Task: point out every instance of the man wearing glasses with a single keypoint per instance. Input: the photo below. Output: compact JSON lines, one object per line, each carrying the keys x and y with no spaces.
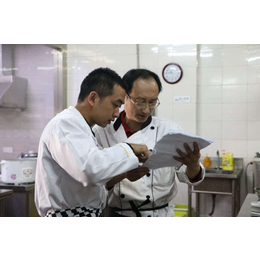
{"x":142,"y":193}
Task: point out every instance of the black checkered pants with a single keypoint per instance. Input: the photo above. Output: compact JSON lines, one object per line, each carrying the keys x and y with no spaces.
{"x":75,"y":212}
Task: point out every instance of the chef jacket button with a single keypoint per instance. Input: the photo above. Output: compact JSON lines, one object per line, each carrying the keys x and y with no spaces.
{"x":152,"y":127}
{"x":122,"y":196}
{"x":149,"y":216}
{"x":148,"y":174}
{"x":148,"y":197}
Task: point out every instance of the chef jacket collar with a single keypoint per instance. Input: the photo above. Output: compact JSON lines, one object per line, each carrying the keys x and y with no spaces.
{"x":118,"y":122}
{"x":90,"y":127}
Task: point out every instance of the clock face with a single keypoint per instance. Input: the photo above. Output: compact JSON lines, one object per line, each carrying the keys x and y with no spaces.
{"x":172,"y":73}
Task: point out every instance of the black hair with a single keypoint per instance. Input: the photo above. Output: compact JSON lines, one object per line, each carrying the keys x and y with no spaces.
{"x":101,"y":80}
{"x":132,"y":75}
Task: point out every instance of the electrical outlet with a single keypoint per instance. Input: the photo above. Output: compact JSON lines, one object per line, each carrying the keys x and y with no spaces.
{"x":8,"y":149}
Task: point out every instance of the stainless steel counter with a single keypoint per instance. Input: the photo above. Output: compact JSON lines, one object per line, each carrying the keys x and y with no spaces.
{"x":245,"y":210}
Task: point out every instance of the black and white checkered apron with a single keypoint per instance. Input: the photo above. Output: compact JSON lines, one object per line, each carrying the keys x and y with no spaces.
{"x":75,"y":212}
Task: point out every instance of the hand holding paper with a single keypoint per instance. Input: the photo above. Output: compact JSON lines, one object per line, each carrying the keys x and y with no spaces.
{"x":165,"y":149}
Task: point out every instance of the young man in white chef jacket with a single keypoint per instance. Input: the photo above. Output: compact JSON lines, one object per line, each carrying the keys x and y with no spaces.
{"x":145,"y":194}
{"x":71,"y":169}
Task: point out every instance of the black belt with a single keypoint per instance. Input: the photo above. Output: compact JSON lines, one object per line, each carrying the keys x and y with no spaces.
{"x":136,"y":209}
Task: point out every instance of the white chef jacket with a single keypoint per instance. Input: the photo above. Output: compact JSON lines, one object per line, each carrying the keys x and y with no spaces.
{"x":71,"y":170}
{"x":159,"y":186}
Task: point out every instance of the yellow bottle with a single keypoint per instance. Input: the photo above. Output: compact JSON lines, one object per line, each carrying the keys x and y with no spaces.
{"x":227,"y":161}
{"x":207,"y":162}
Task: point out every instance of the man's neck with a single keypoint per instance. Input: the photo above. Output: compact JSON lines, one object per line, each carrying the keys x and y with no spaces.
{"x":83,"y":112}
{"x":133,"y":125}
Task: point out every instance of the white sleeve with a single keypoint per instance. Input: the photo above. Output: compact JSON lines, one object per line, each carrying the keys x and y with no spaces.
{"x":76,"y":152}
{"x":183,"y":177}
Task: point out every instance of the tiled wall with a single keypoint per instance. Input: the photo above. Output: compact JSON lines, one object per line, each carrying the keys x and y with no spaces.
{"x":21,"y":130}
{"x":229,"y":106}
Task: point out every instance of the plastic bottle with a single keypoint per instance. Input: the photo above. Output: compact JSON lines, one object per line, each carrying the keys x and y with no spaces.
{"x":227,"y":161}
{"x":207,"y":162}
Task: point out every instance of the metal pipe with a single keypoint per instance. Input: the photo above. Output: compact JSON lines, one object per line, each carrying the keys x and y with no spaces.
{"x":212,"y":192}
{"x":213,"y":204}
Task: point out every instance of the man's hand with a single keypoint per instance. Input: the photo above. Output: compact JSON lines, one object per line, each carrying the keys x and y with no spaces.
{"x":141,"y":151}
{"x":191,"y":159}
{"x":137,"y":173}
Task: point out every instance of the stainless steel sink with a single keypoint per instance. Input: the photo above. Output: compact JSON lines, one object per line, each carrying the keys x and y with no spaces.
{"x":218,"y":171}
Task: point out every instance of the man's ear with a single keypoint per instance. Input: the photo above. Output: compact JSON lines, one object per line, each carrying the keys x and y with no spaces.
{"x":93,"y":98}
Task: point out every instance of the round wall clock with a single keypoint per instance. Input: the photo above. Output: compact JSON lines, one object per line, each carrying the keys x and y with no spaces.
{"x":172,"y":73}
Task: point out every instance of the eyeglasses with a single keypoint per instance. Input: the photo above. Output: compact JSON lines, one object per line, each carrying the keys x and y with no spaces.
{"x":141,"y":105}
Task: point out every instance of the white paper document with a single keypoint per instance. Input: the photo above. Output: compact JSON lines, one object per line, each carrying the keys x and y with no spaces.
{"x":165,"y":149}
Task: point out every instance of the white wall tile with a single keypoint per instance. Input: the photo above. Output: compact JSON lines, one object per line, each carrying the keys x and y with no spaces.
{"x":148,"y":48}
{"x":234,"y":93}
{"x":211,"y":130}
{"x":253,"y":130}
{"x":209,"y":76}
{"x":111,"y":62}
{"x":210,"y":58}
{"x":225,"y":46}
{"x":253,"y":112}
{"x":235,"y":57}
{"x":149,"y":61}
{"x":165,"y":47}
{"x":107,"y":49}
{"x":210,"y":46}
{"x":126,"y":49}
{"x":86,"y":50}
{"x":209,"y":112}
{"x":185,"y":57}
{"x":234,"y":130}
{"x":125,"y":62}
{"x":72,"y":81}
{"x":72,"y":65}
{"x":164,"y":58}
{"x":253,"y":57}
{"x":253,"y":74}
{"x":234,"y":75}
{"x":188,"y":127}
{"x":184,"y":112}
{"x":209,"y":94}
{"x":253,"y":92}
{"x":72,"y":97}
{"x":234,"y":112}
{"x":87,"y":64}
{"x":178,"y":47}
